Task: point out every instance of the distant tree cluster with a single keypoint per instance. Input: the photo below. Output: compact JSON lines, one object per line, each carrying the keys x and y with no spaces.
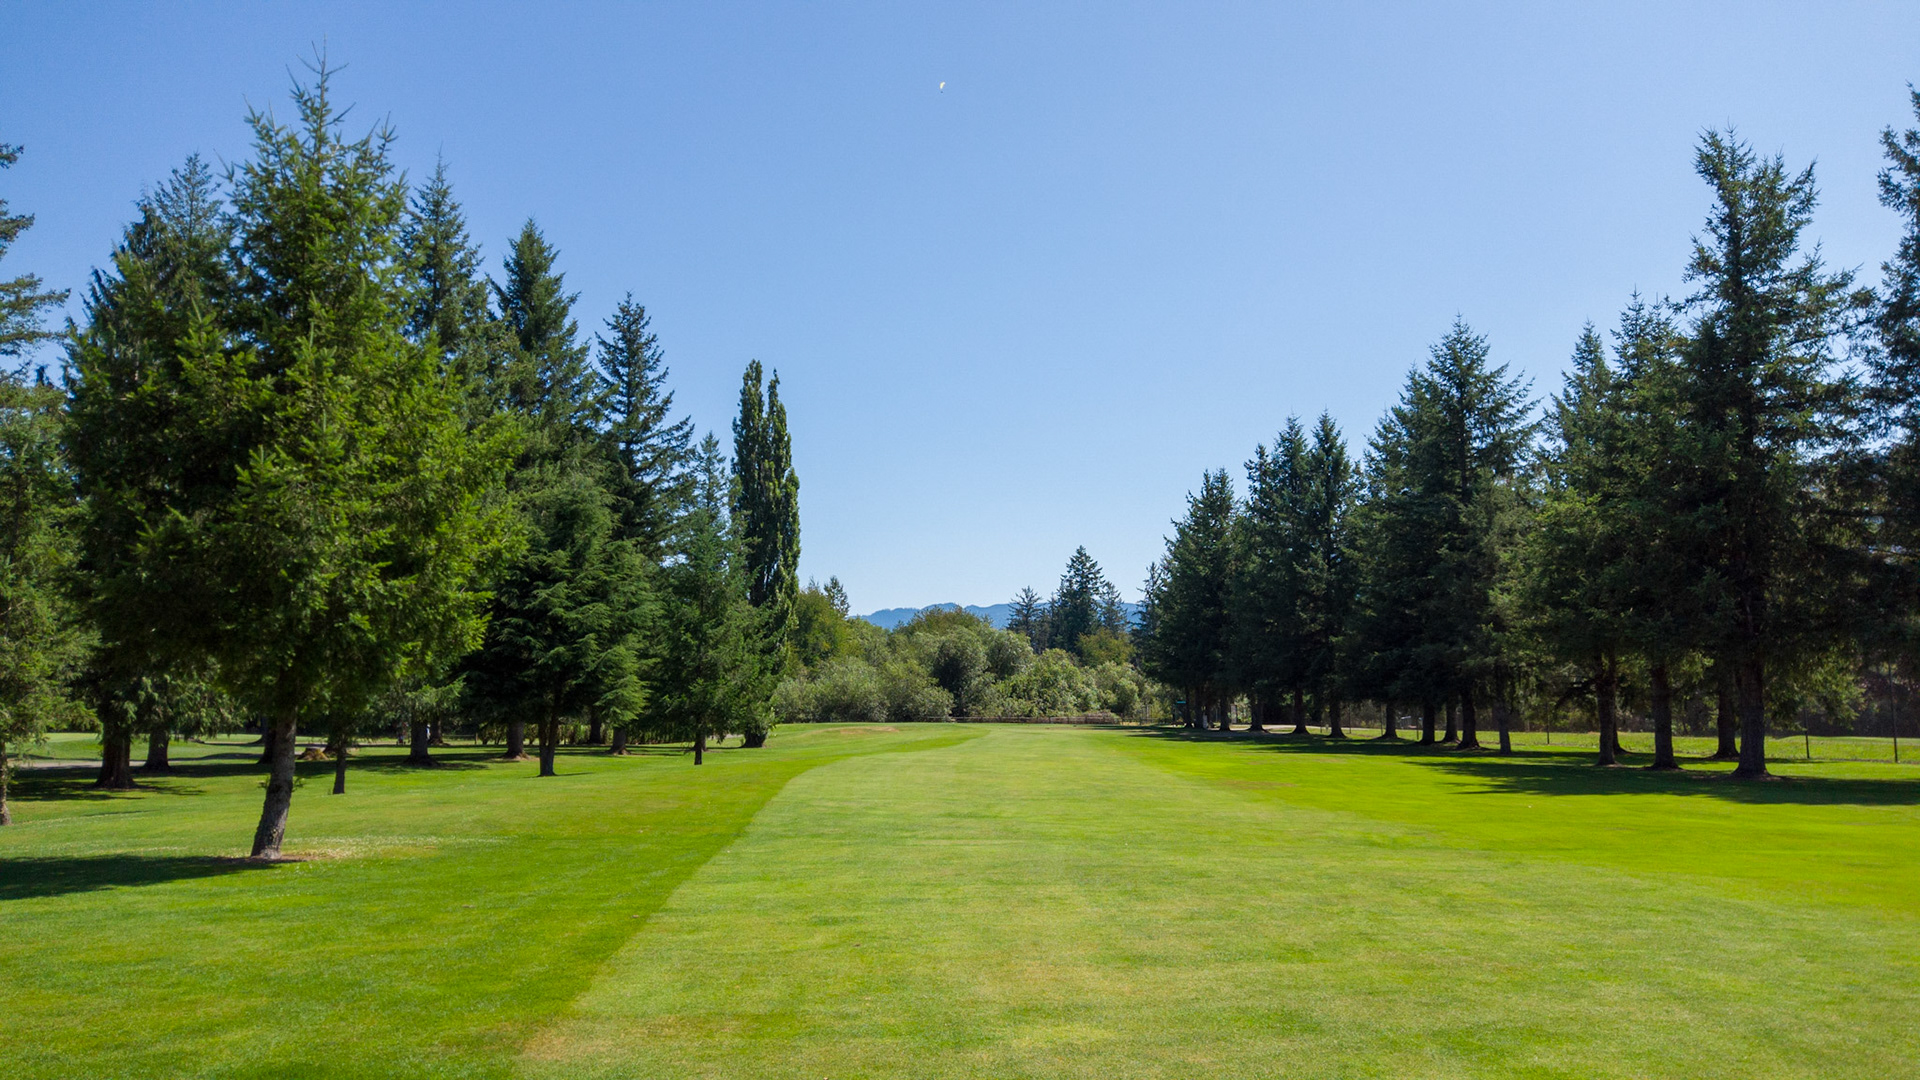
{"x":1717,"y":512}
{"x":946,"y":663}
{"x":309,"y":467}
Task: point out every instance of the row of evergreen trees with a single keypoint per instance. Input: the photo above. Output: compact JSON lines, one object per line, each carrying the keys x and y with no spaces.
{"x":307,"y":459}
{"x":1722,"y":505}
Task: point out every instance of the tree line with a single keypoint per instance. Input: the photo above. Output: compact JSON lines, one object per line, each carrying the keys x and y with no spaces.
{"x":1720,"y":505}
{"x":305,"y":463}
{"x":1065,"y":657}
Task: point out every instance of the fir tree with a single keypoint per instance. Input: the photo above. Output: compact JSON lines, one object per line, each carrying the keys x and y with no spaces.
{"x":450,"y":298}
{"x":22,"y":299}
{"x":651,"y":486}
{"x":1029,"y":619}
{"x":1768,"y":416}
{"x":331,"y":517}
{"x":1190,"y":603}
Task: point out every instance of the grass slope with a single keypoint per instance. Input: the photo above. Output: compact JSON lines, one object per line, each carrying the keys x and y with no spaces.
{"x":1004,"y":901}
{"x":440,"y":915}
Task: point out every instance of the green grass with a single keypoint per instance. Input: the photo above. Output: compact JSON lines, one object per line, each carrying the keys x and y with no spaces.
{"x":973,"y":901}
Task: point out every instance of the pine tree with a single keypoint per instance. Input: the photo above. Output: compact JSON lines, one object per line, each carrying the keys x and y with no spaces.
{"x":1769,"y":417}
{"x":836,"y":594}
{"x":548,"y":381}
{"x":1191,"y":623}
{"x":22,"y":299}
{"x":1328,"y":573}
{"x":450,"y":298}
{"x":1029,"y":618}
{"x":715,"y":671}
{"x":331,"y":519}
{"x":1895,"y":394}
{"x":1268,"y":608}
{"x":651,"y":486}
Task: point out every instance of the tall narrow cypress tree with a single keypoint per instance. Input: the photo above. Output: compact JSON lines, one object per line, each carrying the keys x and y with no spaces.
{"x":766,"y":500}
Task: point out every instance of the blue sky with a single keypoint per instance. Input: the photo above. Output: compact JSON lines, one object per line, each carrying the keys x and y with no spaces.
{"x":1023,"y":313}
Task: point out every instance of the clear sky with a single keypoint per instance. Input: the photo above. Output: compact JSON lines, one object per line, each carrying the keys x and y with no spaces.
{"x":1024,"y":312}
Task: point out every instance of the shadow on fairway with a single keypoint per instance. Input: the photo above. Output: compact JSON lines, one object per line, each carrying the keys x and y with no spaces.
{"x":1554,"y":771}
{"x":25,"y":878}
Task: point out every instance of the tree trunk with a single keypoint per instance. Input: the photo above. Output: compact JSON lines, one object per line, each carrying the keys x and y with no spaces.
{"x":1750,"y":690}
{"x":1605,"y":704}
{"x":1662,"y":706}
{"x":1429,"y":716}
{"x":267,"y":729}
{"x":1503,"y":719}
{"x":338,"y":748}
{"x":1389,"y":723}
{"x":6,"y":767}
{"x":549,"y":735}
{"x":418,"y":740}
{"x":1469,"y":721}
{"x":699,"y":748}
{"x":753,"y":740}
{"x":1726,"y":719}
{"x":1334,"y":730}
{"x":1299,"y":713}
{"x":516,"y":740}
{"x":273,"y":813}
{"x":619,"y":744}
{"x":157,"y":751}
{"x":116,"y":760}
{"x":595,"y":730}
{"x":1453,"y":733}
{"x":1256,"y":714}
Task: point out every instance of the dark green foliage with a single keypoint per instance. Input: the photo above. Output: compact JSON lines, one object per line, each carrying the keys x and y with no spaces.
{"x":318,"y":517}
{"x":1189,"y":604}
{"x":1084,"y":603}
{"x":766,"y":499}
{"x":715,"y":672}
{"x":40,"y":641}
{"x":1894,"y":392}
{"x":450,"y":297}
{"x":651,"y":486}
{"x":23,"y":298}
{"x":1029,"y":619}
{"x":1768,"y":418}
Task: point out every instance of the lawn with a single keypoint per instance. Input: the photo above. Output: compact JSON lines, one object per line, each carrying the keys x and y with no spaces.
{"x":950,"y":900}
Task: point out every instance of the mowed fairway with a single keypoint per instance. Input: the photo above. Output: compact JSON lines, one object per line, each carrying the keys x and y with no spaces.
{"x":980,"y":902}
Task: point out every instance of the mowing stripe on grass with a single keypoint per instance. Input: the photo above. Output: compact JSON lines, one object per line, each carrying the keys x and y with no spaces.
{"x":1058,"y":903}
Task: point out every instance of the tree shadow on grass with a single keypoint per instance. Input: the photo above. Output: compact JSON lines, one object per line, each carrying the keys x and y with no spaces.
{"x":1536,"y":770}
{"x":26,"y":878}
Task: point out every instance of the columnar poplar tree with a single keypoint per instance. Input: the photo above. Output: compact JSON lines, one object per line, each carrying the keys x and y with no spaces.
{"x":766,"y":500}
{"x":309,"y":511}
{"x":1770,"y":415}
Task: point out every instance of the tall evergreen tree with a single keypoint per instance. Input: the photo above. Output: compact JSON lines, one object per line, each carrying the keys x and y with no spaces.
{"x":1084,"y":602}
{"x":1268,"y":629}
{"x":1029,"y":619}
{"x":1769,"y":415}
{"x":651,"y":486}
{"x":450,"y":297}
{"x":1326,"y":596}
{"x":1895,"y":396}
{"x":1190,"y":616}
{"x":328,"y":520}
{"x":23,"y":299}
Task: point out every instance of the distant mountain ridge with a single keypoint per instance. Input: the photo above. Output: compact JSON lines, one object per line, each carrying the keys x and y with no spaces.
{"x":996,"y":614}
{"x":890,"y":618}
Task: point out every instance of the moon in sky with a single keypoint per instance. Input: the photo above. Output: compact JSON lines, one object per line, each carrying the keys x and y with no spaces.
{"x":943,"y":88}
